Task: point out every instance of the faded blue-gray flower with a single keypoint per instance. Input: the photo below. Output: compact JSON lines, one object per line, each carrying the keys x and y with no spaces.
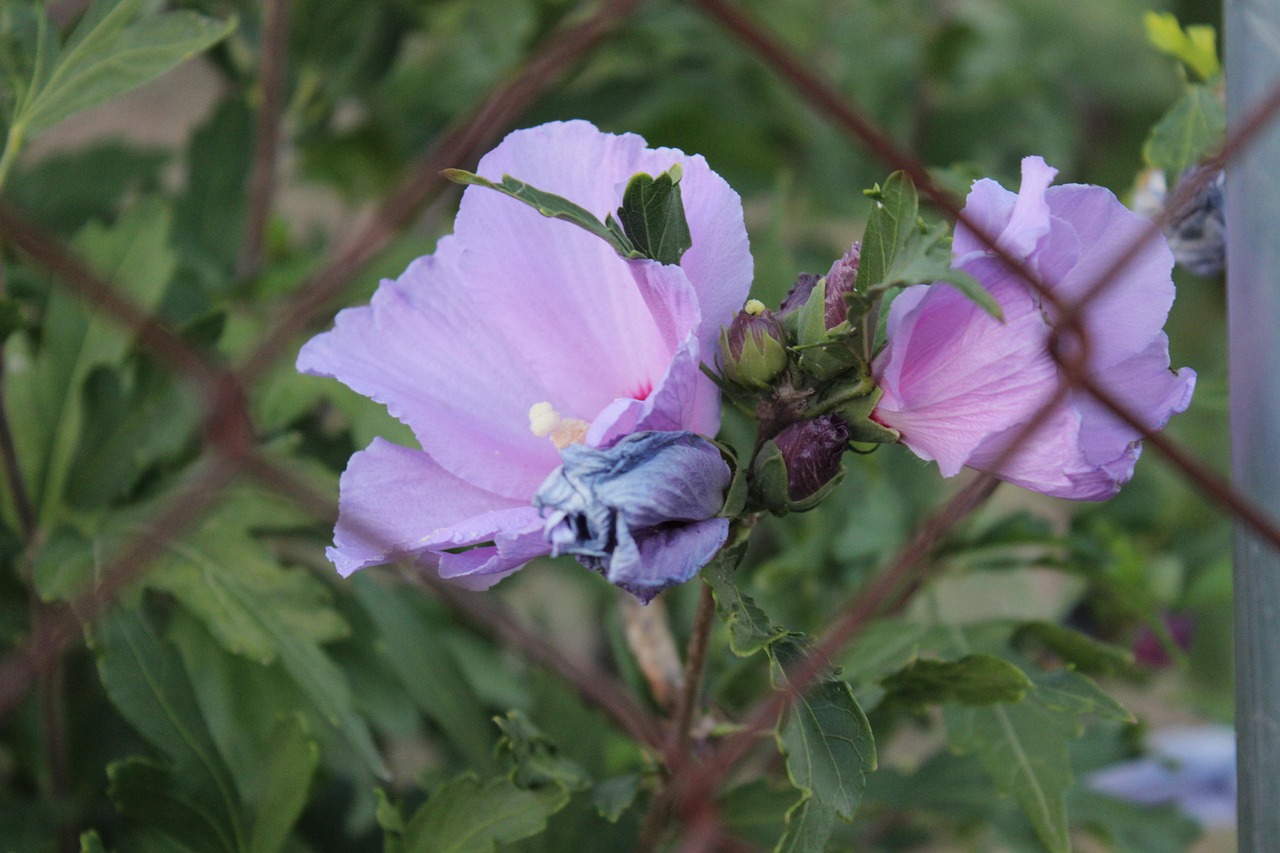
{"x":642,"y":512}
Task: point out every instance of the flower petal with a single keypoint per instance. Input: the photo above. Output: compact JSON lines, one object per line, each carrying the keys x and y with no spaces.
{"x":666,"y":556}
{"x":396,"y":502}
{"x":1129,"y":313}
{"x":954,"y":375}
{"x":425,"y":349}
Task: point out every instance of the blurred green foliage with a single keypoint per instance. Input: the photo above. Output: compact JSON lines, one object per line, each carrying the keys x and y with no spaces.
{"x":241,"y":697}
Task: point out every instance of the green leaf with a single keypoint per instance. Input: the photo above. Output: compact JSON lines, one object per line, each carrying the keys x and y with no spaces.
{"x":152,"y":796}
{"x":888,"y":227}
{"x":257,"y":609}
{"x":286,"y":779}
{"x":809,"y":827}
{"x":111,"y":51}
{"x":470,"y":816}
{"x":139,"y":418}
{"x":1087,"y":654}
{"x":612,"y":797}
{"x":536,"y":759}
{"x":1193,"y":128}
{"x":1196,"y":46}
{"x":44,"y":388}
{"x":652,"y":216}
{"x":1133,"y":828}
{"x":1072,"y":692}
{"x":829,"y":746}
{"x":750,"y":629}
{"x":411,"y":646}
{"x":975,"y":679}
{"x":1024,"y":749}
{"x":146,"y":681}
{"x":551,"y":206}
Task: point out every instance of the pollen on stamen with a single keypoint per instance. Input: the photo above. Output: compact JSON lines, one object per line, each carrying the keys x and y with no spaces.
{"x":546,"y":422}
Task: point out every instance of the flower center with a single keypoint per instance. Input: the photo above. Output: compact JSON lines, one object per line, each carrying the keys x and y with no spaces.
{"x":545,"y":421}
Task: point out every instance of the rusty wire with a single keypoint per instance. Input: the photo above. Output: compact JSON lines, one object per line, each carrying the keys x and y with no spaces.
{"x":229,"y":436}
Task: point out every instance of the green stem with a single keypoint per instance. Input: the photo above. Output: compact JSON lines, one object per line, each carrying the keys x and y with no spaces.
{"x":12,"y":145}
{"x":862,"y":389}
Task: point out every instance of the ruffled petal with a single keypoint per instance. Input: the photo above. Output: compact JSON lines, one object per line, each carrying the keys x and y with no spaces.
{"x":666,"y":556}
{"x":1150,"y":390}
{"x":1127,"y":316}
{"x":396,"y":502}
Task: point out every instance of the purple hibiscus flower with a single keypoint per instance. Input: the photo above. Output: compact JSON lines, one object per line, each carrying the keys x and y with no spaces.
{"x":959,"y":385}
{"x":523,"y":336}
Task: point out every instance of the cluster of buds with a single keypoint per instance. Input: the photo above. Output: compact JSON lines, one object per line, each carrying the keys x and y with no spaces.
{"x":804,"y":373}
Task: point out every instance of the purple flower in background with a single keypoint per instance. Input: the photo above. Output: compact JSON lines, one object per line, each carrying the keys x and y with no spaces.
{"x":959,"y":385}
{"x":1192,"y":767}
{"x":520,"y":338}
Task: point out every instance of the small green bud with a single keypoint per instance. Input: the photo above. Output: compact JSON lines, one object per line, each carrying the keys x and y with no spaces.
{"x":753,"y":349}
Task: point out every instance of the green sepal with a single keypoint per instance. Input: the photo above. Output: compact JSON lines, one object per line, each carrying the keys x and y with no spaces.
{"x":735,"y":498}
{"x":763,"y":359}
{"x":770,"y":483}
{"x":857,"y":414}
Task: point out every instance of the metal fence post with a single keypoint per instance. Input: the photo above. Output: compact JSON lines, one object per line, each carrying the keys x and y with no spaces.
{"x":1253,"y":296}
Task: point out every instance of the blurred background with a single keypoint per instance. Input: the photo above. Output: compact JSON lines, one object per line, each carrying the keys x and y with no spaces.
{"x":967,"y":86}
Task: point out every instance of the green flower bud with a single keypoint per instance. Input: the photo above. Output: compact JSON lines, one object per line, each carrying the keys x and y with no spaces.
{"x":753,"y":349}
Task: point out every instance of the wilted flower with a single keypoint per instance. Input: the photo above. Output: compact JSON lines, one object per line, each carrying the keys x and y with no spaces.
{"x":641,"y":512}
{"x":960,"y":385}
{"x":520,"y":337}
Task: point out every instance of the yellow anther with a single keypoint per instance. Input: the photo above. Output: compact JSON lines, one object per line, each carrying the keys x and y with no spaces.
{"x":754,"y":307}
{"x":545,"y":421}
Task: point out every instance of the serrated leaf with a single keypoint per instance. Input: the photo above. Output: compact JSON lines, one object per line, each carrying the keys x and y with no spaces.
{"x":43,"y":388}
{"x":809,"y":827}
{"x":750,"y":629}
{"x":1087,"y":654}
{"x":147,"y":683}
{"x":111,"y":51}
{"x":549,"y":205}
{"x":428,"y":672}
{"x":1193,"y":128}
{"x":888,"y":227}
{"x":1024,"y":749}
{"x":290,"y":762}
{"x":152,"y":796}
{"x":260,"y":610}
{"x":974,"y":679}
{"x":470,"y":816}
{"x":652,"y":216}
{"x":829,"y":746}
{"x":537,"y":761}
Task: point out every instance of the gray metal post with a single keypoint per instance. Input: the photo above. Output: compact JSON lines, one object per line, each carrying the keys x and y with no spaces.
{"x":1253,"y":297}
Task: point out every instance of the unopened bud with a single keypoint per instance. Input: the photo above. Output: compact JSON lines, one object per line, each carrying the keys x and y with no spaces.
{"x":753,"y":350}
{"x":840,"y":281}
{"x":812,"y":451}
{"x":799,"y":467}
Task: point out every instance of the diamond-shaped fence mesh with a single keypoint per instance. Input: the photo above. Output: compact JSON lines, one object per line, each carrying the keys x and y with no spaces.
{"x":229,"y":450}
